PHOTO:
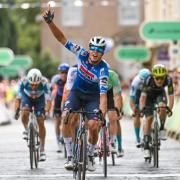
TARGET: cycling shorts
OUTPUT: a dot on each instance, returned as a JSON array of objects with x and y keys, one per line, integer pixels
[
  {"x": 110, "y": 99},
  {"x": 78, "y": 99},
  {"x": 38, "y": 104},
  {"x": 57, "y": 106}
]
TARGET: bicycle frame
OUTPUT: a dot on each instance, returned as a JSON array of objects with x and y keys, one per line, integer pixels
[{"x": 33, "y": 139}]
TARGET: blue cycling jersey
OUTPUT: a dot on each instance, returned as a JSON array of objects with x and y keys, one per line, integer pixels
[
  {"x": 56, "y": 79},
  {"x": 42, "y": 89},
  {"x": 136, "y": 88},
  {"x": 90, "y": 78}
]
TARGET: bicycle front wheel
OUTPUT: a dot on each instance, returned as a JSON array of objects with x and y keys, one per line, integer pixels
[
  {"x": 156, "y": 146},
  {"x": 31, "y": 145},
  {"x": 105, "y": 151},
  {"x": 84, "y": 162}
]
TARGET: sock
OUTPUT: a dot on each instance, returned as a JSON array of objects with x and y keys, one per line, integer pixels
[
  {"x": 90, "y": 149},
  {"x": 68, "y": 143},
  {"x": 119, "y": 140},
  {"x": 112, "y": 138},
  {"x": 137, "y": 132}
]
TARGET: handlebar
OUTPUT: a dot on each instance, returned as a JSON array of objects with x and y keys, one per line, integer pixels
[{"x": 98, "y": 112}]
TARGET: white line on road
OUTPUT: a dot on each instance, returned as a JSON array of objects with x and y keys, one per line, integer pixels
[{"x": 91, "y": 175}]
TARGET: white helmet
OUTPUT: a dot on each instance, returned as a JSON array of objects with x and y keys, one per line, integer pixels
[
  {"x": 34, "y": 76},
  {"x": 97, "y": 41}
]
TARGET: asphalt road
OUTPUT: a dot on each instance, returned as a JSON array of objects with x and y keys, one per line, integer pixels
[{"x": 14, "y": 158}]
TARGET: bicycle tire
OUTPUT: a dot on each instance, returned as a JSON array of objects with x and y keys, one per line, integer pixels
[
  {"x": 84, "y": 160},
  {"x": 31, "y": 145},
  {"x": 156, "y": 146},
  {"x": 113, "y": 159},
  {"x": 105, "y": 151},
  {"x": 80, "y": 160},
  {"x": 36, "y": 150}
]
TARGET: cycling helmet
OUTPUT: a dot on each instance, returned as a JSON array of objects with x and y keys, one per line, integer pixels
[
  {"x": 159, "y": 70},
  {"x": 144, "y": 73},
  {"x": 63, "y": 67},
  {"x": 97, "y": 41},
  {"x": 34, "y": 76}
]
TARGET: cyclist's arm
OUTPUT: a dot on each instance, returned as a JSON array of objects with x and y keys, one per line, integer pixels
[
  {"x": 117, "y": 91},
  {"x": 103, "y": 89},
  {"x": 47, "y": 95},
  {"x": 170, "y": 93},
  {"x": 58, "y": 34},
  {"x": 118, "y": 101}
]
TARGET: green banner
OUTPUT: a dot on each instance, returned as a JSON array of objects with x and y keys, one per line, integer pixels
[
  {"x": 160, "y": 30},
  {"x": 22, "y": 62},
  {"x": 132, "y": 53},
  {"x": 6, "y": 56},
  {"x": 8, "y": 72}
]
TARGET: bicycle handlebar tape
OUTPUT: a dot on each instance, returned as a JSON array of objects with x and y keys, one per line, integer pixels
[{"x": 49, "y": 17}]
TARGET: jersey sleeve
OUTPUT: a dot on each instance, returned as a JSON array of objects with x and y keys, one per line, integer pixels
[
  {"x": 47, "y": 89},
  {"x": 170, "y": 86},
  {"x": 103, "y": 79},
  {"x": 132, "y": 91},
  {"x": 116, "y": 84},
  {"x": 70, "y": 78},
  {"x": 79, "y": 51},
  {"x": 21, "y": 86},
  {"x": 145, "y": 86}
]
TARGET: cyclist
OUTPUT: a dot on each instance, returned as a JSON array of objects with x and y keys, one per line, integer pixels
[
  {"x": 34, "y": 92},
  {"x": 114, "y": 100},
  {"x": 154, "y": 93},
  {"x": 89, "y": 88},
  {"x": 58, "y": 81},
  {"x": 135, "y": 92}
]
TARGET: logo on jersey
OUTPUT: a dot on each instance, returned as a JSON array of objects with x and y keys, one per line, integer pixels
[
  {"x": 86, "y": 73},
  {"x": 102, "y": 72},
  {"x": 75, "y": 48},
  {"x": 104, "y": 81}
]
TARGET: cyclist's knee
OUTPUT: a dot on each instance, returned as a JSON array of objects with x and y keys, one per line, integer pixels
[
  {"x": 112, "y": 116},
  {"x": 25, "y": 113},
  {"x": 93, "y": 125},
  {"x": 40, "y": 120}
]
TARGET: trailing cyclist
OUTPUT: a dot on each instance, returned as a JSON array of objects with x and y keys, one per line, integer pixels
[
  {"x": 114, "y": 98},
  {"x": 34, "y": 91},
  {"x": 90, "y": 87},
  {"x": 135, "y": 92},
  {"x": 58, "y": 81},
  {"x": 154, "y": 93}
]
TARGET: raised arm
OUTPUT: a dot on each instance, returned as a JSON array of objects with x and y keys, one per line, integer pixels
[{"x": 48, "y": 16}]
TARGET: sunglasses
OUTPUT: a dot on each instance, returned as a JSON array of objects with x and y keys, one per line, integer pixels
[
  {"x": 159, "y": 78},
  {"x": 98, "y": 49},
  {"x": 63, "y": 72},
  {"x": 34, "y": 84}
]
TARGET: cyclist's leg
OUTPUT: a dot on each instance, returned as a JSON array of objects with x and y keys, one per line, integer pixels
[
  {"x": 39, "y": 105},
  {"x": 57, "y": 119},
  {"x": 73, "y": 102},
  {"x": 92, "y": 104},
  {"x": 119, "y": 140},
  {"x": 147, "y": 127},
  {"x": 162, "y": 102},
  {"x": 112, "y": 119},
  {"x": 26, "y": 105}
]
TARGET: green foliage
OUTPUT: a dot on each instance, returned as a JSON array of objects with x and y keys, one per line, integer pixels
[
  {"x": 47, "y": 64},
  {"x": 20, "y": 31}
]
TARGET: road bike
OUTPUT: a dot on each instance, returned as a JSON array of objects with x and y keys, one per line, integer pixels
[
  {"x": 33, "y": 140},
  {"x": 155, "y": 141},
  {"x": 80, "y": 144}
]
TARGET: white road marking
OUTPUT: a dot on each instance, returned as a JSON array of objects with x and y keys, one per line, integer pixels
[{"x": 91, "y": 175}]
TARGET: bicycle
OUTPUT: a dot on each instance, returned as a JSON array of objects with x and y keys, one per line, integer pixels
[
  {"x": 80, "y": 145},
  {"x": 33, "y": 139},
  {"x": 155, "y": 141},
  {"x": 119, "y": 113}
]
